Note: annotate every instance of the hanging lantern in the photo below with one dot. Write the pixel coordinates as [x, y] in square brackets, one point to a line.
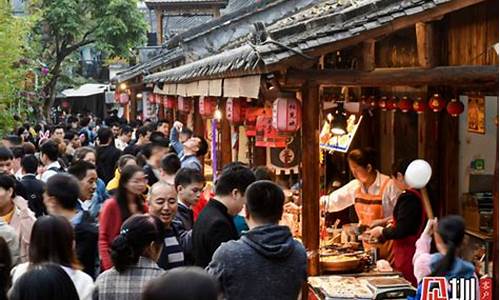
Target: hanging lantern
[419, 105]
[404, 104]
[158, 99]
[455, 107]
[235, 111]
[392, 103]
[287, 114]
[169, 102]
[184, 104]
[382, 103]
[124, 98]
[373, 102]
[206, 105]
[436, 103]
[151, 98]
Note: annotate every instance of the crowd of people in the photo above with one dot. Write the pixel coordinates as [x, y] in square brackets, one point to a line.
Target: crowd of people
[121, 210]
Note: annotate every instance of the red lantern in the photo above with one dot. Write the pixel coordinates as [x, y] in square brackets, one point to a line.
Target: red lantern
[436, 103]
[455, 107]
[169, 102]
[235, 111]
[287, 114]
[124, 98]
[404, 104]
[373, 102]
[382, 103]
[206, 106]
[151, 98]
[392, 103]
[158, 99]
[419, 105]
[184, 104]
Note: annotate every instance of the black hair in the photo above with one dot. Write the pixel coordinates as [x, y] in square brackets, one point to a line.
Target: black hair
[125, 129]
[29, 164]
[264, 201]
[122, 161]
[400, 166]
[187, 131]
[136, 233]
[65, 189]
[6, 154]
[13, 139]
[18, 151]
[187, 176]
[184, 283]
[104, 134]
[161, 122]
[115, 124]
[170, 163]
[58, 126]
[5, 265]
[81, 152]
[52, 240]
[121, 192]
[364, 157]
[51, 149]
[70, 134]
[159, 138]
[237, 177]
[79, 169]
[142, 131]
[264, 173]
[452, 231]
[45, 281]
[202, 147]
[29, 148]
[8, 182]
[84, 122]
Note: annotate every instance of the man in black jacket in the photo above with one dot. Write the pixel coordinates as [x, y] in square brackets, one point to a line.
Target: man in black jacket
[31, 188]
[61, 199]
[215, 223]
[107, 155]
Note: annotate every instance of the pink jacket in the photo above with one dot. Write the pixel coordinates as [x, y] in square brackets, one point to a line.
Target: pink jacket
[22, 221]
[422, 257]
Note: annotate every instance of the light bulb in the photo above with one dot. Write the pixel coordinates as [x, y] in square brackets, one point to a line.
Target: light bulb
[217, 115]
[123, 86]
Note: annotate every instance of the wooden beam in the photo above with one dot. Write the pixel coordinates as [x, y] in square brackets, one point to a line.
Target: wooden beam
[425, 42]
[159, 26]
[449, 75]
[368, 55]
[225, 146]
[310, 174]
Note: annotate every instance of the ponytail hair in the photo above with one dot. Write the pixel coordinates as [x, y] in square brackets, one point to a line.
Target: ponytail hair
[452, 231]
[136, 234]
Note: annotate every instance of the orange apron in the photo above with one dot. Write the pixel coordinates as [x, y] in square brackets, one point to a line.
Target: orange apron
[369, 208]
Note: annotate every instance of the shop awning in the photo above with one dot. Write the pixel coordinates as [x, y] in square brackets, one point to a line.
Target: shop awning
[86, 90]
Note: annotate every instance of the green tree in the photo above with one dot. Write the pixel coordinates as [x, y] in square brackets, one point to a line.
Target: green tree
[113, 26]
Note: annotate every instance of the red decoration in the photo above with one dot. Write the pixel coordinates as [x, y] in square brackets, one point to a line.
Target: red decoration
[455, 107]
[382, 103]
[392, 103]
[158, 99]
[404, 104]
[184, 104]
[373, 102]
[206, 106]
[436, 103]
[124, 98]
[151, 98]
[287, 114]
[419, 105]
[235, 110]
[169, 102]
[65, 104]
[117, 96]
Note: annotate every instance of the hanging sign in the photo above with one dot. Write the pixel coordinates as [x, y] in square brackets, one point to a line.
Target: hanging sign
[330, 142]
[266, 135]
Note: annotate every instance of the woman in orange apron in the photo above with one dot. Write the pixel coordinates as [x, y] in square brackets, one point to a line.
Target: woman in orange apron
[407, 224]
[371, 192]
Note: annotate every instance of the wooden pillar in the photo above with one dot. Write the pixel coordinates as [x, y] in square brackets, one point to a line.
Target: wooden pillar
[131, 112]
[368, 55]
[449, 156]
[259, 156]
[225, 128]
[310, 174]
[159, 26]
[425, 41]
[495, 228]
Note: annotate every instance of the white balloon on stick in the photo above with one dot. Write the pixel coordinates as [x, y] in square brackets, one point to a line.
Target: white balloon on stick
[417, 175]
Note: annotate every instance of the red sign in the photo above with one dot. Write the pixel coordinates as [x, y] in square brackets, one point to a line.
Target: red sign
[485, 289]
[434, 288]
[266, 135]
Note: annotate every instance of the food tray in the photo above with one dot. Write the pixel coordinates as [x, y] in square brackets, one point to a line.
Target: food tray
[339, 263]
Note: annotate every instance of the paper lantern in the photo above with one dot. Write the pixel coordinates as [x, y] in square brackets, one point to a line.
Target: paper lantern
[235, 111]
[184, 104]
[151, 98]
[169, 102]
[455, 107]
[419, 105]
[382, 103]
[158, 99]
[287, 114]
[124, 98]
[392, 103]
[206, 106]
[404, 104]
[373, 102]
[436, 103]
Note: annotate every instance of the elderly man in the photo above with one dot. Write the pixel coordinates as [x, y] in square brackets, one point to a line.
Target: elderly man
[163, 204]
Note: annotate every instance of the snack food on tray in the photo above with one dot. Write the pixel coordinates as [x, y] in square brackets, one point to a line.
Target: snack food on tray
[341, 287]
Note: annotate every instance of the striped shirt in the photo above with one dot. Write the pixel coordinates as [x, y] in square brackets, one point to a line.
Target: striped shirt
[171, 255]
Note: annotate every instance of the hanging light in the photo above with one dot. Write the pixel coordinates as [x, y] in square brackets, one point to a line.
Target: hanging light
[455, 107]
[339, 123]
[419, 105]
[123, 86]
[405, 104]
[436, 103]
[218, 114]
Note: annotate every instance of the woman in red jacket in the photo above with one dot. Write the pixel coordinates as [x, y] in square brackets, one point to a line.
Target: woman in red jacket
[129, 200]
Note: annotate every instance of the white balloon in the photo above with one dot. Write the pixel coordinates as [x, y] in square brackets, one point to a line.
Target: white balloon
[418, 174]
